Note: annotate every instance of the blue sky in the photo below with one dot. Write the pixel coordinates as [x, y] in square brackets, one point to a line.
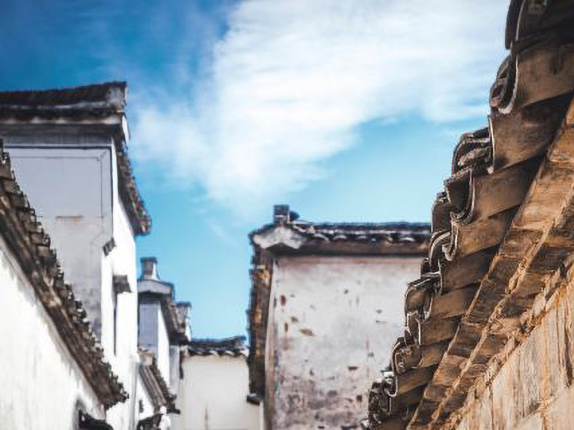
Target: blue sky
[347, 111]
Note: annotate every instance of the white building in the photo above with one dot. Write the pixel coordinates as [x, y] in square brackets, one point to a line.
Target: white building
[68, 148]
[214, 394]
[53, 373]
[326, 307]
[164, 334]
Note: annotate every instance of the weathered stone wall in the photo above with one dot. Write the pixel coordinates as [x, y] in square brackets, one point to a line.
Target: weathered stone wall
[42, 385]
[331, 327]
[530, 386]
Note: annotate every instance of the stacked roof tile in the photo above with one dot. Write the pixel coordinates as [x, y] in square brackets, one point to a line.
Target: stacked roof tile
[160, 394]
[231, 347]
[31, 246]
[494, 216]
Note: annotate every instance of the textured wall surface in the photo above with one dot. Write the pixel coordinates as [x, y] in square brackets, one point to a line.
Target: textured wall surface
[41, 383]
[331, 327]
[533, 389]
[213, 395]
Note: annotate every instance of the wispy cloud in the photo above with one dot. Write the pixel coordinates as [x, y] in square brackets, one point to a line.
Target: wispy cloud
[291, 81]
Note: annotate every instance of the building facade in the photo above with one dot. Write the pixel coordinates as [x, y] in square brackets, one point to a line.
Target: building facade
[164, 334]
[488, 337]
[55, 375]
[81, 361]
[69, 149]
[325, 309]
[214, 393]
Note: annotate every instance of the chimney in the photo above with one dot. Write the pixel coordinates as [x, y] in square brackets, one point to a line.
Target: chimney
[149, 268]
[281, 214]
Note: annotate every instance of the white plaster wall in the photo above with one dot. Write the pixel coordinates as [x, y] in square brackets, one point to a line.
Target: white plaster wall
[71, 190]
[40, 382]
[122, 261]
[163, 350]
[153, 336]
[212, 395]
[75, 193]
[333, 321]
[150, 313]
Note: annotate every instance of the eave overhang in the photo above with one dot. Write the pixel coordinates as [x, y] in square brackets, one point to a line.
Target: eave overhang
[155, 384]
[501, 229]
[92, 108]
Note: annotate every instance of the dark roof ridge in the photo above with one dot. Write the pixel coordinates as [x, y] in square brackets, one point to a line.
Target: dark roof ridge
[391, 225]
[91, 105]
[65, 96]
[232, 346]
[238, 338]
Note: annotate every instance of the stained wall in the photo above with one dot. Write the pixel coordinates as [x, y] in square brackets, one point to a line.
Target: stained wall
[332, 323]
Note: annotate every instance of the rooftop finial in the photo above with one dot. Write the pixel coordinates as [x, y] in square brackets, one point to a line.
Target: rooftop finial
[149, 268]
[281, 214]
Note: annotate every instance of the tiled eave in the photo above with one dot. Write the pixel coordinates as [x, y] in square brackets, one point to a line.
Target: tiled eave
[155, 384]
[91, 107]
[228, 347]
[538, 242]
[31, 247]
[501, 228]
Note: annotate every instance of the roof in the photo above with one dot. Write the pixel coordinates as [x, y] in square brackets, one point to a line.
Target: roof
[77, 103]
[290, 236]
[88, 94]
[231, 347]
[31, 246]
[89, 106]
[500, 228]
[175, 314]
[156, 386]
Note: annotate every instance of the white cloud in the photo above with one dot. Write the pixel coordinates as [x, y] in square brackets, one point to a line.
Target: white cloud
[291, 81]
